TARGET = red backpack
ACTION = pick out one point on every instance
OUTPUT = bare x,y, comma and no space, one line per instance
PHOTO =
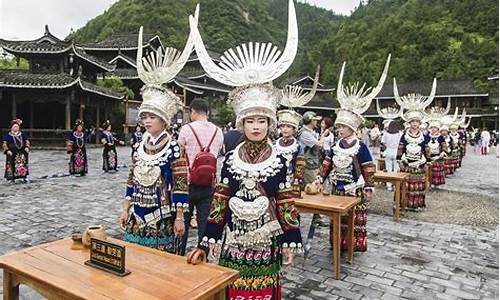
204,168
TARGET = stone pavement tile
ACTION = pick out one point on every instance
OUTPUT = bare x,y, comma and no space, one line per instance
461,294
346,294
389,297
358,281
336,284
446,283
470,282
371,271
396,277
380,280
393,290
429,285
367,292
415,276
434,274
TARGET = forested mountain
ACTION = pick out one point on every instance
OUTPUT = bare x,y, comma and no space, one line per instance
448,39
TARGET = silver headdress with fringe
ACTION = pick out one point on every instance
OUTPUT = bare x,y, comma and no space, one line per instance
435,114
354,101
389,113
251,68
294,96
158,68
414,104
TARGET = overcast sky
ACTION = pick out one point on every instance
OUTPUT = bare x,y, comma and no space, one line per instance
25,19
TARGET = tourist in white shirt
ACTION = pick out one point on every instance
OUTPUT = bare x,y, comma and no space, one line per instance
391,139
329,139
485,142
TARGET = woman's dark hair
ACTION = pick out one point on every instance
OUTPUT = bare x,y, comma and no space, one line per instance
199,105
393,127
328,122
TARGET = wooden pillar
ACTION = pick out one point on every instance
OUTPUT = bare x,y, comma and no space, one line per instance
14,107
68,113
32,115
106,114
82,107
98,117
125,124
98,122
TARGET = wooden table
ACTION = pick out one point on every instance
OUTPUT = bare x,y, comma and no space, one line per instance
57,271
398,179
334,207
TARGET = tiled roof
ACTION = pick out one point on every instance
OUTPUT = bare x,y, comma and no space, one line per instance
120,41
324,101
90,87
19,79
127,73
45,44
22,79
182,81
129,60
93,60
215,56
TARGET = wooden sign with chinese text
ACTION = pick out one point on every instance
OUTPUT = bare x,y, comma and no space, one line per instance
108,257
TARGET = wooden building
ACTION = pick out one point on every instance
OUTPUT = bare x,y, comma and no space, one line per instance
59,86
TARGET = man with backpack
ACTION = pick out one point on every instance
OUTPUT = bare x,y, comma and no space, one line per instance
202,141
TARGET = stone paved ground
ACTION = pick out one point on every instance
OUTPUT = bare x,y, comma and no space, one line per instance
412,259
469,197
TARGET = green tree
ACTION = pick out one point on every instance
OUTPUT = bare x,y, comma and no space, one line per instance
11,63
116,84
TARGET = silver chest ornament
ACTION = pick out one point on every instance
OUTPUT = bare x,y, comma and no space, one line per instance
413,148
249,210
145,174
434,146
147,170
287,151
342,158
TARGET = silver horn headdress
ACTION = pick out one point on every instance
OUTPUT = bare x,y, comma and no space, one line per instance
459,122
415,104
465,124
448,120
251,68
389,113
435,115
158,68
354,100
294,96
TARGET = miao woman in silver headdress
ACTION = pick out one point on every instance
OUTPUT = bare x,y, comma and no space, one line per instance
253,222
412,156
436,147
348,169
289,124
156,195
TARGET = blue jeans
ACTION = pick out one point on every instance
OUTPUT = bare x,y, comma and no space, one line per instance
201,198
390,160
